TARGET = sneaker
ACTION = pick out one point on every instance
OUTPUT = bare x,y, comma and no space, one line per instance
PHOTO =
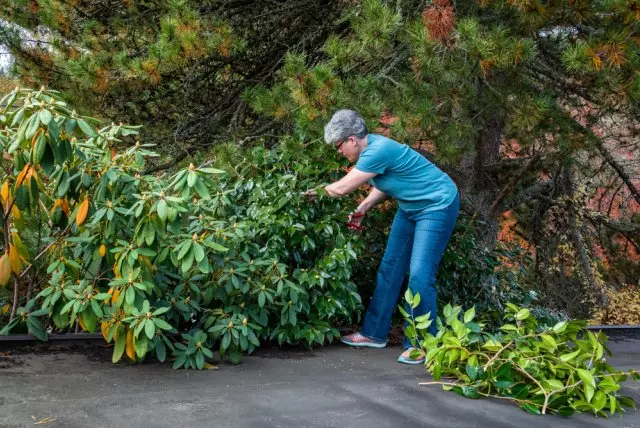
406,358
356,339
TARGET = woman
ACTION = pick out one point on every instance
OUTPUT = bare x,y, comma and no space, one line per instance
428,204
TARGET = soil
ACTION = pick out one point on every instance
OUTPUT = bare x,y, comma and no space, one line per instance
10,357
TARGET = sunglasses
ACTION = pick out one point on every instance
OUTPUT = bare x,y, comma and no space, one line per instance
340,144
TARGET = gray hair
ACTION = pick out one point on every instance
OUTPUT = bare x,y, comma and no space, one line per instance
344,124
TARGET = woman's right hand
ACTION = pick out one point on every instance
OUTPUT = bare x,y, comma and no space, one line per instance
355,220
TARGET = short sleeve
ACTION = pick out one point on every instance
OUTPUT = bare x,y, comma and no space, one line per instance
374,160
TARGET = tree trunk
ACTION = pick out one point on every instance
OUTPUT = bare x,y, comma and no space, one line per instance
480,188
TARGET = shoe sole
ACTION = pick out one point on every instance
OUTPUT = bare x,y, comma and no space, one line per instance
412,362
365,344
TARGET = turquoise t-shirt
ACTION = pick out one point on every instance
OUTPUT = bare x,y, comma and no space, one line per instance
406,175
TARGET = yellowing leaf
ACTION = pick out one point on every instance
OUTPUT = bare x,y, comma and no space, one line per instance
23,175
129,346
14,259
15,211
104,328
81,324
114,298
103,250
82,212
5,269
5,309
64,206
5,194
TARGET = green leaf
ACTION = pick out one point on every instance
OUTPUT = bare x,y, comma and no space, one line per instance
470,392
588,392
150,329
32,127
187,262
119,347
469,314
22,197
184,248
149,233
459,328
192,176
45,116
162,324
180,361
416,301
530,408
39,149
211,171
549,342
408,296
202,190
472,371
586,377
63,184
565,411
560,327
570,356
86,128
162,209
200,360
217,247
198,252
140,345
161,350
599,401
553,384
47,159
523,314
89,320
130,296
226,340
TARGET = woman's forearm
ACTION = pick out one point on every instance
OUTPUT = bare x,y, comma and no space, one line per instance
371,200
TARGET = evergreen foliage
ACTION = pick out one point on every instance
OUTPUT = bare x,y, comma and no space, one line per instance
530,106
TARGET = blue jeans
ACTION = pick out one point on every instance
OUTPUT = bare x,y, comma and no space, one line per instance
416,244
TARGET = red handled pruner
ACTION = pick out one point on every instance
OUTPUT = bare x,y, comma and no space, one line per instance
354,226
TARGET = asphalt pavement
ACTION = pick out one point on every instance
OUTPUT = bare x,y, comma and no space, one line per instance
334,386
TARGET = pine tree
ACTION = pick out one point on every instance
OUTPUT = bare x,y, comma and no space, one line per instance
177,66
525,103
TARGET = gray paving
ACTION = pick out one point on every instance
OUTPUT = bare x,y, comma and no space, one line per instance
333,386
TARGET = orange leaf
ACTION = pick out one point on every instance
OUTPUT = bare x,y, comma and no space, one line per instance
14,259
5,194
82,212
104,328
23,175
103,250
5,269
129,347
114,298
64,206
16,213
35,137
